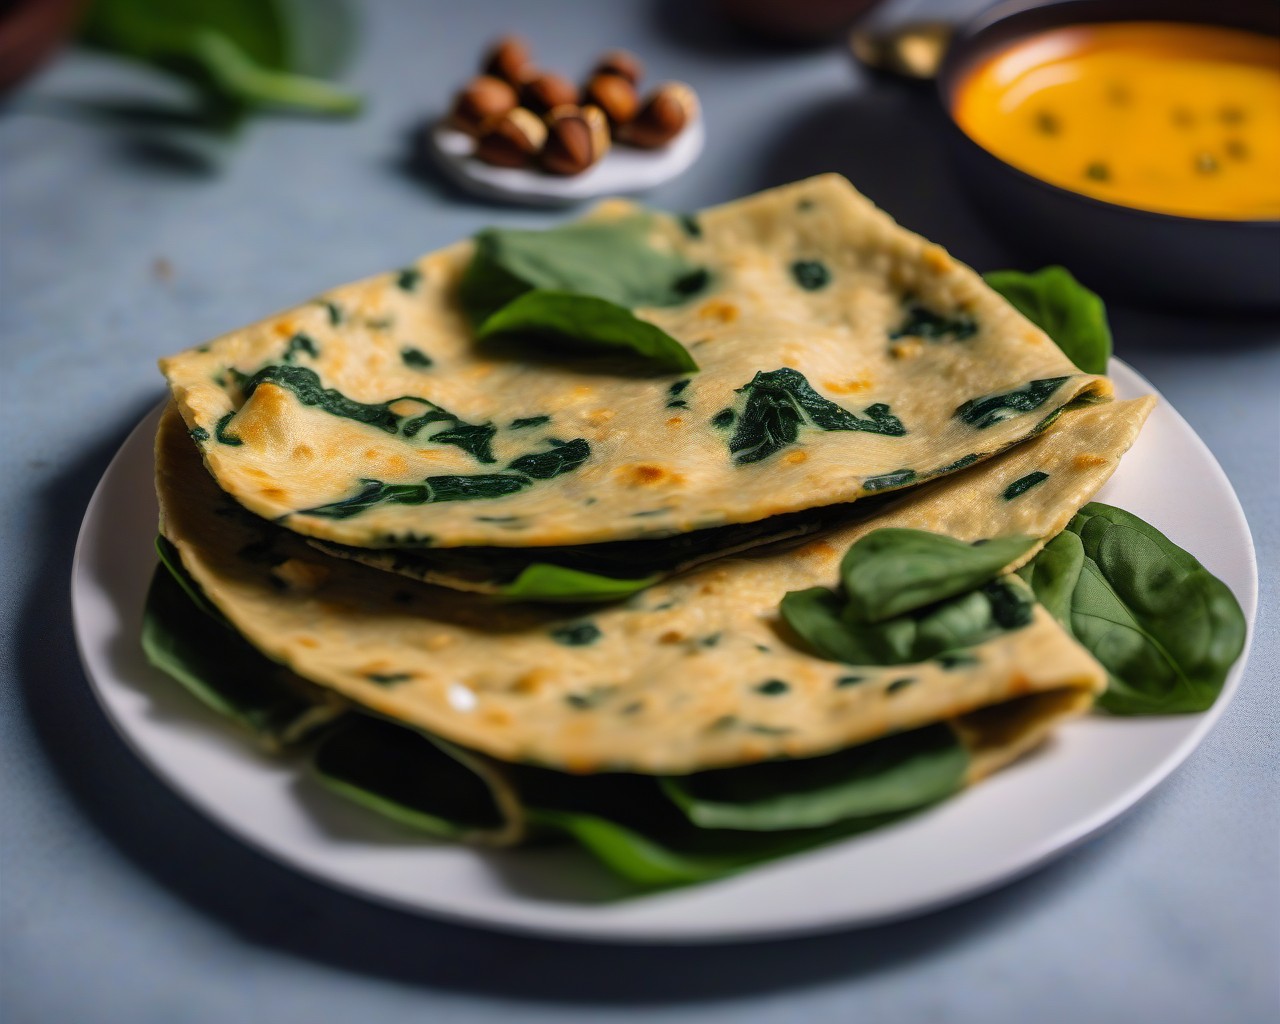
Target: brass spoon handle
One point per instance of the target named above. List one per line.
(914, 50)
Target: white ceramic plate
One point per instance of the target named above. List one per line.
(1092, 771)
(623, 171)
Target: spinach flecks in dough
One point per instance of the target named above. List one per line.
(529, 421)
(408, 279)
(198, 434)
(593, 698)
(724, 418)
(689, 223)
(334, 311)
(432, 490)
(564, 457)
(960, 463)
(580, 634)
(220, 432)
(959, 659)
(886, 481)
(674, 401)
(779, 402)
(297, 344)
(773, 687)
(899, 684)
(415, 358)
(388, 678)
(474, 439)
(1024, 484)
(691, 283)
(843, 681)
(922, 322)
(380, 323)
(810, 275)
(992, 409)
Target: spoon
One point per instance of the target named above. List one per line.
(914, 50)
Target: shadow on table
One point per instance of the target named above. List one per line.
(267, 905)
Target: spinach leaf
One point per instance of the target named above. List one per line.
(821, 620)
(1073, 316)
(543, 582)
(895, 570)
(992, 409)
(899, 773)
(922, 322)
(611, 260)
(246, 53)
(1165, 628)
(586, 323)
(219, 667)
(779, 402)
(409, 777)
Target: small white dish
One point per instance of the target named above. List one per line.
(1091, 772)
(624, 170)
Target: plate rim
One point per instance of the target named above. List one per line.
(1058, 843)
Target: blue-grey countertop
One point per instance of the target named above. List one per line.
(120, 903)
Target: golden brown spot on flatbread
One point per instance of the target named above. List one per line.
(675, 421)
(671, 636)
(439, 641)
(302, 451)
(818, 548)
(274, 493)
(496, 716)
(371, 454)
(301, 576)
(937, 259)
(283, 328)
(645, 475)
(396, 465)
(1088, 461)
(847, 387)
(795, 458)
(583, 391)
(596, 417)
(906, 348)
(719, 310)
(309, 642)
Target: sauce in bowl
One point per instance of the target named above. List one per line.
(1170, 117)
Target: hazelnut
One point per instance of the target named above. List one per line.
(663, 117)
(622, 63)
(547, 90)
(614, 95)
(483, 98)
(577, 138)
(512, 139)
(509, 60)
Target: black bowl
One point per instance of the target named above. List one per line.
(1155, 257)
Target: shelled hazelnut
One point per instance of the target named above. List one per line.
(483, 98)
(614, 95)
(509, 60)
(512, 139)
(546, 91)
(622, 63)
(664, 116)
(577, 138)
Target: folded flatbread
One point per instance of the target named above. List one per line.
(840, 355)
(696, 672)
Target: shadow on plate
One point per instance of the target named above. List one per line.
(270, 906)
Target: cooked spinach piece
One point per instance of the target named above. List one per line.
(220, 432)
(579, 634)
(1165, 628)
(388, 678)
(585, 323)
(529, 421)
(724, 418)
(188, 640)
(888, 481)
(476, 439)
(1073, 316)
(415, 358)
(992, 409)
(198, 434)
(674, 401)
(1024, 484)
(432, 490)
(779, 402)
(610, 260)
(922, 322)
(553, 583)
(564, 457)
(811, 275)
(689, 223)
(408, 777)
(334, 311)
(408, 279)
(894, 570)
(773, 687)
(300, 343)
(900, 773)
(822, 620)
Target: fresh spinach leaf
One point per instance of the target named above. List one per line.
(899, 773)
(1165, 628)
(586, 323)
(553, 583)
(895, 570)
(612, 260)
(1073, 316)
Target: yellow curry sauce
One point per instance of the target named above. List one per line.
(1176, 118)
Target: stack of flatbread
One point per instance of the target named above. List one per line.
(509, 589)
